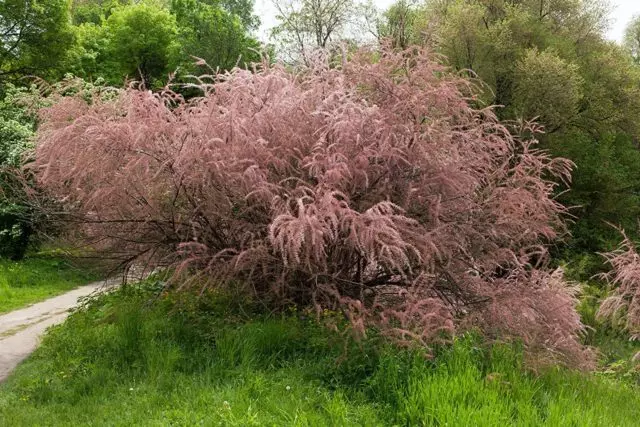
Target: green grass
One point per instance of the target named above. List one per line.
(123, 360)
(37, 278)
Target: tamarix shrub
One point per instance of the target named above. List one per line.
(375, 188)
(622, 305)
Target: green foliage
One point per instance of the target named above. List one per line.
(547, 87)
(16, 127)
(605, 191)
(212, 34)
(16, 136)
(116, 39)
(94, 11)
(88, 58)
(15, 227)
(510, 45)
(398, 23)
(121, 360)
(611, 102)
(34, 37)
(36, 278)
(119, 39)
(632, 38)
(581, 266)
(142, 41)
(243, 9)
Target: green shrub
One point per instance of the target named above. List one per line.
(16, 134)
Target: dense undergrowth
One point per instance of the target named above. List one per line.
(38, 277)
(139, 357)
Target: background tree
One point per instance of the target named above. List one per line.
(34, 37)
(306, 25)
(94, 11)
(89, 57)
(243, 9)
(142, 42)
(548, 88)
(398, 23)
(213, 34)
(632, 38)
(128, 40)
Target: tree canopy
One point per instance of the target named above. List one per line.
(632, 38)
(34, 37)
(142, 40)
(119, 39)
(307, 25)
(213, 34)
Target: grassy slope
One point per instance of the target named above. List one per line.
(37, 278)
(125, 362)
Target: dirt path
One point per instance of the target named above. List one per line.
(20, 330)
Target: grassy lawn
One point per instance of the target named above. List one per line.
(37, 278)
(123, 361)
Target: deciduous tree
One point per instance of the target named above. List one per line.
(306, 25)
(142, 42)
(632, 38)
(397, 24)
(213, 35)
(17, 129)
(34, 37)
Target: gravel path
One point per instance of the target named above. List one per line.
(20, 330)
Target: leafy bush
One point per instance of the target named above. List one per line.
(17, 130)
(375, 189)
(23, 206)
(604, 191)
(15, 229)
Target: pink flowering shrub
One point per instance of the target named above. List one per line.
(622, 306)
(375, 189)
